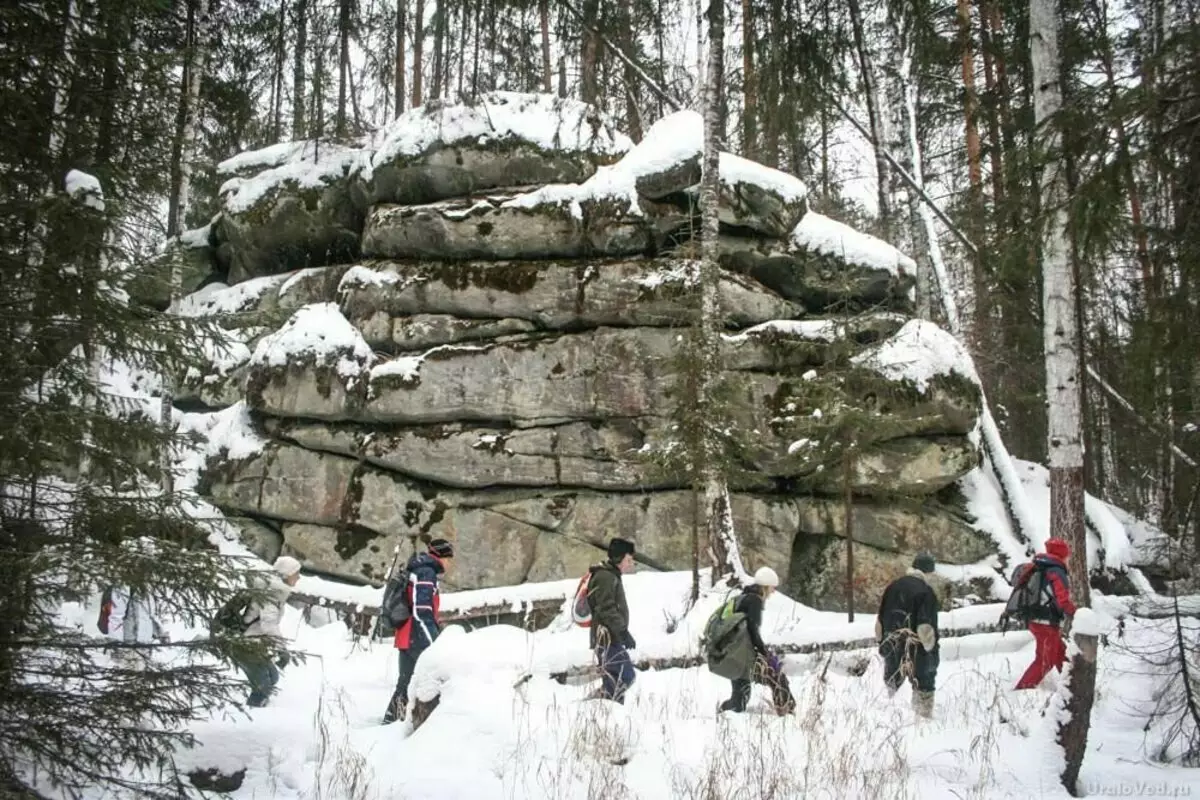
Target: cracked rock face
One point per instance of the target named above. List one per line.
(500, 358)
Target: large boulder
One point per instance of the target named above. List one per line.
(440, 151)
(308, 211)
(189, 260)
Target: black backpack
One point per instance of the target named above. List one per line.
(1032, 596)
(395, 610)
(231, 617)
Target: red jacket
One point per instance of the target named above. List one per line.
(421, 629)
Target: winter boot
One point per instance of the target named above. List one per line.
(397, 710)
(923, 703)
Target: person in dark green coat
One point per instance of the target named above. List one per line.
(767, 667)
(610, 638)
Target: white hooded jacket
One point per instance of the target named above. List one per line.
(265, 617)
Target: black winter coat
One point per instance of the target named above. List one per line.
(606, 599)
(751, 604)
(909, 603)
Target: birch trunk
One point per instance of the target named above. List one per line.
(298, 64)
(398, 86)
(277, 89)
(1064, 422)
(718, 520)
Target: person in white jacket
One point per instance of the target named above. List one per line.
(130, 619)
(264, 618)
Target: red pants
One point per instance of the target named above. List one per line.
(1051, 654)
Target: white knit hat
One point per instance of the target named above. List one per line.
(286, 566)
(766, 577)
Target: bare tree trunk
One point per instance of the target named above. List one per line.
(874, 119)
(439, 42)
(927, 249)
(590, 54)
(989, 44)
(339, 125)
(174, 217)
(187, 148)
(629, 76)
(400, 45)
(280, 58)
(300, 12)
(718, 518)
(418, 51)
(320, 35)
(547, 72)
(970, 101)
(1063, 377)
(848, 505)
(749, 98)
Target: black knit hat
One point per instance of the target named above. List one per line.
(924, 562)
(441, 548)
(618, 549)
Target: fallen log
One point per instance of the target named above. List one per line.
(530, 614)
(808, 648)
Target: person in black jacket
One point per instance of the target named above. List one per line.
(907, 631)
(768, 668)
(610, 638)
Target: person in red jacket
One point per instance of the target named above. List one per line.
(422, 627)
(1055, 608)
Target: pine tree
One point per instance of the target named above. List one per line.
(80, 502)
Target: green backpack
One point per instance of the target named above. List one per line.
(726, 643)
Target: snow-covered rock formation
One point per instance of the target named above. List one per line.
(469, 327)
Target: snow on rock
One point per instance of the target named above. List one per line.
(219, 298)
(821, 234)
(231, 433)
(319, 331)
(365, 276)
(544, 120)
(1090, 622)
(819, 330)
(1112, 537)
(735, 171)
(408, 368)
(456, 653)
(919, 352)
(86, 188)
(307, 165)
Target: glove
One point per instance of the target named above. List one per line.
(628, 640)
(284, 659)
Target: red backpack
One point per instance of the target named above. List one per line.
(581, 611)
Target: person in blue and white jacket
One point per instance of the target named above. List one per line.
(422, 628)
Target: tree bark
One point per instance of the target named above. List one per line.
(590, 54)
(418, 50)
(749, 97)
(339, 126)
(718, 519)
(439, 45)
(280, 58)
(547, 71)
(300, 12)
(1063, 385)
(970, 101)
(398, 87)
(989, 42)
(874, 119)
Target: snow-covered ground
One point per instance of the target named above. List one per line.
(505, 729)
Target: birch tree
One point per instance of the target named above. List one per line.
(300, 13)
(718, 519)
(1064, 421)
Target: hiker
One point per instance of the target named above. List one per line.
(609, 634)
(1050, 619)
(262, 618)
(131, 619)
(421, 628)
(766, 668)
(907, 631)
